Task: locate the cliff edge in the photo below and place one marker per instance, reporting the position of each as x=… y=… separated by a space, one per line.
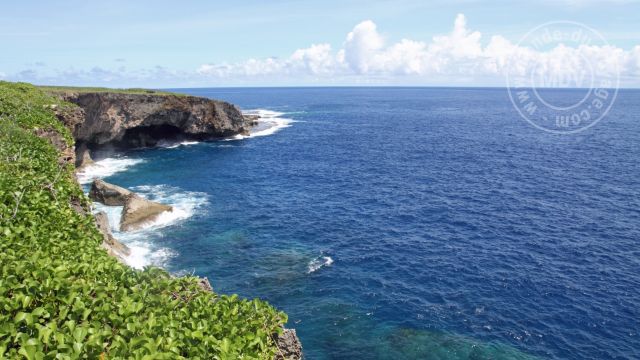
x=131 y=120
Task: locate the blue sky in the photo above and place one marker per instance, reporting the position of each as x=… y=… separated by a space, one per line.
x=254 y=43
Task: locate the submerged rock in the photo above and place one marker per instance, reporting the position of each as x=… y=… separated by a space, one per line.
x=289 y=346
x=108 y=194
x=138 y=210
x=113 y=246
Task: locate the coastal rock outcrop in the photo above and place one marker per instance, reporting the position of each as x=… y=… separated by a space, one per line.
x=141 y=120
x=70 y=116
x=138 y=210
x=204 y=284
x=108 y=194
x=289 y=346
x=113 y=246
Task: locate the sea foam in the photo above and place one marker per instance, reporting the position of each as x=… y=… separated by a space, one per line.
x=268 y=123
x=184 y=203
x=105 y=167
x=175 y=144
x=318 y=263
x=143 y=251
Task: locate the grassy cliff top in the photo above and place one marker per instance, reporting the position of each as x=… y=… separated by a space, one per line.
x=79 y=89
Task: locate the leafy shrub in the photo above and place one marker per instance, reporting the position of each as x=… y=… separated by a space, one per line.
x=63 y=297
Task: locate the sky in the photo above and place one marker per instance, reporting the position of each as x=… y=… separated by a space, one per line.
x=169 y=44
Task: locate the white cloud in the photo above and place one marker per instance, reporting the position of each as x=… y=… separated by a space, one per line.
x=460 y=43
x=631 y=61
x=316 y=60
x=362 y=44
x=459 y=53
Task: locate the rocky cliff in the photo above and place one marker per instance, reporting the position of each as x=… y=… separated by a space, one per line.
x=142 y=120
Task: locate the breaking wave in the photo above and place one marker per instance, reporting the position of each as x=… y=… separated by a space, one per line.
x=268 y=123
x=175 y=144
x=318 y=263
x=104 y=168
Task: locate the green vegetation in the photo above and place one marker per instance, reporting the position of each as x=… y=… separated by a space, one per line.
x=54 y=89
x=63 y=297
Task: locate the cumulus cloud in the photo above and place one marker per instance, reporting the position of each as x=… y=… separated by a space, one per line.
x=461 y=52
x=362 y=44
x=316 y=60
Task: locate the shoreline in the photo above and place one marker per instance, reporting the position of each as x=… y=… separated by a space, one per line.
x=65 y=256
x=185 y=203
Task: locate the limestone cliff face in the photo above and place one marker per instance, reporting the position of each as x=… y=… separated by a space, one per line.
x=140 y=120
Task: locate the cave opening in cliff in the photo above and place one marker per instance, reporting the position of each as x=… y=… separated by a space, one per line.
x=147 y=136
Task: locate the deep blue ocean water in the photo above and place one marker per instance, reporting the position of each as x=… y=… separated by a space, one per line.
x=456 y=229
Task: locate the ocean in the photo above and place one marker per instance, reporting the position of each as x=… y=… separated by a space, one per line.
x=407 y=223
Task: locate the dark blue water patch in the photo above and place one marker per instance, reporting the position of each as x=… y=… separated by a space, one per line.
x=456 y=230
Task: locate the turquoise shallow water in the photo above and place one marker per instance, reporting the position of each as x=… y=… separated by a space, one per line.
x=415 y=223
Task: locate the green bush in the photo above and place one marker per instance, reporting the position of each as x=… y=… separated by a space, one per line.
x=63 y=297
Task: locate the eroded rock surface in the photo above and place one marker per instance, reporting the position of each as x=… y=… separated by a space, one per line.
x=137 y=211
x=108 y=194
x=204 y=284
x=141 y=120
x=289 y=346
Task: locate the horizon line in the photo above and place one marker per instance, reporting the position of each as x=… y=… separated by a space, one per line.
x=329 y=87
